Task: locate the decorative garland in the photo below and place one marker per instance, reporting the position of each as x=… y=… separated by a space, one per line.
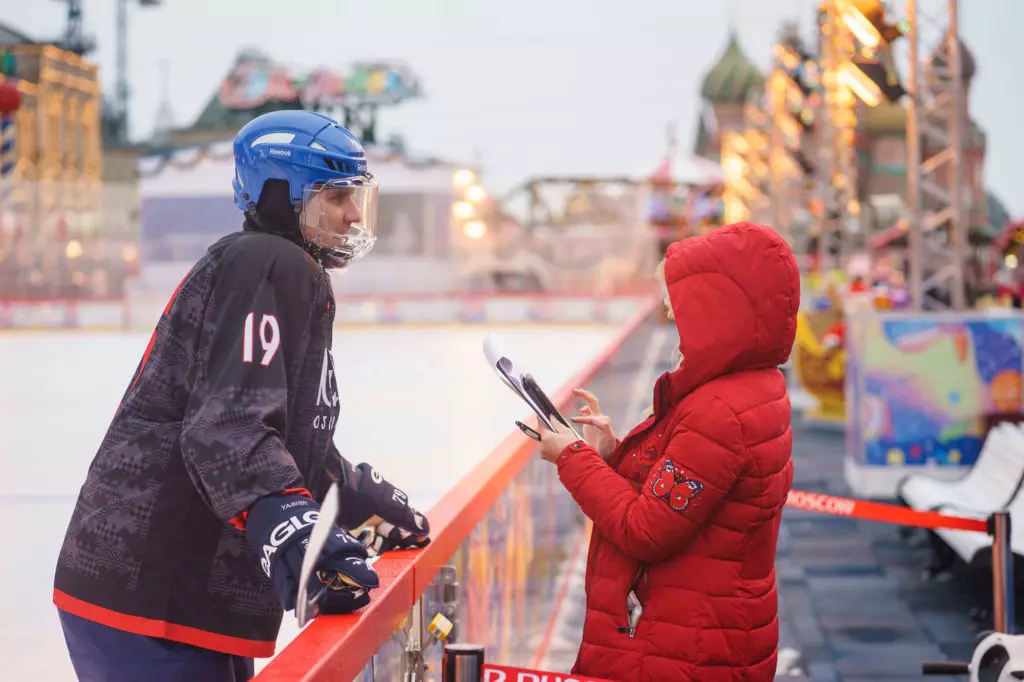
x=187 y=158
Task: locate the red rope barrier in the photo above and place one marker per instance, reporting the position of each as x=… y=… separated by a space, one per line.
x=880 y=511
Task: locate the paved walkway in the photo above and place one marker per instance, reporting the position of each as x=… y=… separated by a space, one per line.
x=854 y=599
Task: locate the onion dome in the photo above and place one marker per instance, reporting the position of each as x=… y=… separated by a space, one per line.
x=733 y=78
x=968 y=65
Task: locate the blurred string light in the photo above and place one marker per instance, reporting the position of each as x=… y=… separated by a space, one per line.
x=870 y=74
x=796 y=91
x=475 y=229
x=468 y=207
x=736 y=188
x=463 y=178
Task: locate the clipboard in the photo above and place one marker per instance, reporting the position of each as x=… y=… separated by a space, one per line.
x=523 y=384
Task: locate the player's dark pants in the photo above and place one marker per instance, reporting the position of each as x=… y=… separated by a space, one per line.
x=103 y=654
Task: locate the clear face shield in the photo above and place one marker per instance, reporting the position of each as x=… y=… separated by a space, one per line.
x=339 y=219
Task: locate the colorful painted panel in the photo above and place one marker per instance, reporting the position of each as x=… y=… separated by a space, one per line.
x=926 y=383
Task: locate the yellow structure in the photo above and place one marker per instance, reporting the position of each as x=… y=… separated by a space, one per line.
x=745 y=170
x=58 y=149
x=820 y=369
x=51 y=203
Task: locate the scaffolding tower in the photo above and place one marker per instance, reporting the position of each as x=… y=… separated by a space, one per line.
x=793 y=94
x=936 y=120
x=836 y=169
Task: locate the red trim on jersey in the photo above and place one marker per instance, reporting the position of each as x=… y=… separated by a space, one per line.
x=239 y=521
x=235 y=646
x=296 y=491
x=152 y=337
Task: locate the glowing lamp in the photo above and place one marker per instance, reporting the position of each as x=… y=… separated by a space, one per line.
x=475 y=229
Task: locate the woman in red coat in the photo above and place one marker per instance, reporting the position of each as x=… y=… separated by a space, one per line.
x=686 y=509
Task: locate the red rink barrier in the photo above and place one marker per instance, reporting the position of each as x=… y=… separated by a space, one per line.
x=501 y=673
x=880 y=511
x=341 y=647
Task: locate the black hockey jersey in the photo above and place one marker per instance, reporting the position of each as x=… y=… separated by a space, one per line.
x=235 y=398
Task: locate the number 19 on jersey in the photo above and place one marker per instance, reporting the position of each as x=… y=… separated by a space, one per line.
x=269 y=338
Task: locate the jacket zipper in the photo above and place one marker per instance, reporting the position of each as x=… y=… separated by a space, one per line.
x=631 y=629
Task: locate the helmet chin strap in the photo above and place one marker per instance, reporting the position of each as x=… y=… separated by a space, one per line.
x=327 y=259
x=252 y=214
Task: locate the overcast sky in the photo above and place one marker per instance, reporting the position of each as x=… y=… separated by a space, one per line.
x=533 y=86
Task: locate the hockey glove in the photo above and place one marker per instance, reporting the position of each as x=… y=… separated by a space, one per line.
x=380 y=513
x=278 y=528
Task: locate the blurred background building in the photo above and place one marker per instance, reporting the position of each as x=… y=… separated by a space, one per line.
x=816 y=145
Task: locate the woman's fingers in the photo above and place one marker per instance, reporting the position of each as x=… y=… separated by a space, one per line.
x=601 y=420
x=590 y=398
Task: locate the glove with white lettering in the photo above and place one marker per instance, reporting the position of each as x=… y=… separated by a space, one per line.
x=278 y=528
x=379 y=513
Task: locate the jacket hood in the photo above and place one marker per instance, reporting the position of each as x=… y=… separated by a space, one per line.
x=735 y=294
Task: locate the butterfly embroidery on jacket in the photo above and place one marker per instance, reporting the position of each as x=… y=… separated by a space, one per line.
x=672 y=486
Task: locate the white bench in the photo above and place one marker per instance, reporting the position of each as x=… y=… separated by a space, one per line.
x=990 y=485
x=994 y=483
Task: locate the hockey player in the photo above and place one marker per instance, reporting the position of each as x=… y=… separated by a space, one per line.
x=188 y=533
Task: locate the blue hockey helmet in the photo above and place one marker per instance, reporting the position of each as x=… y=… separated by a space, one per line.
x=329 y=186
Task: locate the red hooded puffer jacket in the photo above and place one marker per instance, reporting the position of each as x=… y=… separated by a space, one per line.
x=687 y=510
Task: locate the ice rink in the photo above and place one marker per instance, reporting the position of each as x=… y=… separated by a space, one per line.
x=60 y=389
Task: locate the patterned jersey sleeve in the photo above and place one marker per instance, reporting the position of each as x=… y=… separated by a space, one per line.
x=255 y=333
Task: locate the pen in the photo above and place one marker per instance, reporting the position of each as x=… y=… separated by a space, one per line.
x=528 y=431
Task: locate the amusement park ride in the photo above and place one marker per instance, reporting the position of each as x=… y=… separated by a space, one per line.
x=353 y=96
x=612 y=230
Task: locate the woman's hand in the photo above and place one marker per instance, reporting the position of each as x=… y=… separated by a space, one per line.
x=597 y=427
x=552 y=443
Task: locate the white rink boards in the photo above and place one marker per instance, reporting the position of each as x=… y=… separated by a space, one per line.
x=59 y=389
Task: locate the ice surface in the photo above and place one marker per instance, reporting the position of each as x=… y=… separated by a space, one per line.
x=58 y=391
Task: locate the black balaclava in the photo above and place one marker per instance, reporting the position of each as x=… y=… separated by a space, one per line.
x=275 y=213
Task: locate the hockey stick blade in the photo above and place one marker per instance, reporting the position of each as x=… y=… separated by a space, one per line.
x=306 y=605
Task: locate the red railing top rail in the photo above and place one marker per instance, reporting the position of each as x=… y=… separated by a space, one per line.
x=335 y=648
